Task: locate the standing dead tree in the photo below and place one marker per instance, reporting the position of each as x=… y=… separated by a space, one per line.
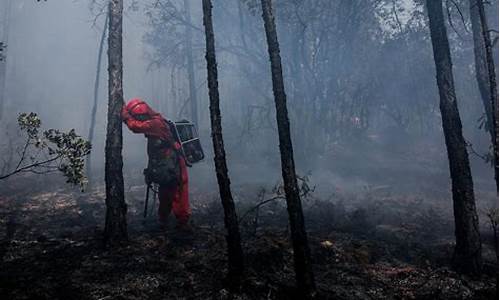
x=190 y=64
x=492 y=80
x=485 y=73
x=468 y=242
x=235 y=253
x=96 y=94
x=3 y=52
x=116 y=209
x=301 y=252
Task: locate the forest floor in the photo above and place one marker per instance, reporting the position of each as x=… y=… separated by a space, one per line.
x=383 y=247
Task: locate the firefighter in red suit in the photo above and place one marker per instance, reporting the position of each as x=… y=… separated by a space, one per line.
x=140 y=118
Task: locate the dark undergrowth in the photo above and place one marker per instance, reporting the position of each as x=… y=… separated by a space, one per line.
x=386 y=247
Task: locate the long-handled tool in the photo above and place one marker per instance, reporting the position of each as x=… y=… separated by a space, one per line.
x=146 y=201
x=155 y=195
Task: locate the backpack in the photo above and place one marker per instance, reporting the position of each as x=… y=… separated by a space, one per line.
x=163 y=169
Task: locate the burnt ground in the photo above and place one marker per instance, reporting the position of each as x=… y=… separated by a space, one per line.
x=376 y=245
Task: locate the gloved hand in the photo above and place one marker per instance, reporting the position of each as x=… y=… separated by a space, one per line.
x=125 y=114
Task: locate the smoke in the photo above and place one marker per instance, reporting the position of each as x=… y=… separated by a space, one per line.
x=363 y=102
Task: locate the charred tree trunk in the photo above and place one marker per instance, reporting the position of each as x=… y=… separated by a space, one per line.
x=468 y=242
x=301 y=252
x=96 y=94
x=116 y=208
x=235 y=253
x=190 y=65
x=485 y=73
x=480 y=60
x=492 y=80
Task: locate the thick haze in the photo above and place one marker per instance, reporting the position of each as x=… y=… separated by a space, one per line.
x=51 y=67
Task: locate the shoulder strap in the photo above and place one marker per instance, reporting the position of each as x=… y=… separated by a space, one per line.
x=173 y=130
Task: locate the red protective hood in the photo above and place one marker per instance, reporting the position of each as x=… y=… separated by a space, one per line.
x=137 y=107
x=155 y=125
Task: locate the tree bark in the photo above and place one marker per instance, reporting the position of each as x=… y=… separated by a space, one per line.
x=96 y=94
x=492 y=85
x=190 y=65
x=116 y=208
x=468 y=242
x=235 y=253
x=485 y=74
x=302 y=260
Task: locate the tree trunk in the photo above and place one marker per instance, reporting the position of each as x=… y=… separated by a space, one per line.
x=493 y=88
x=235 y=253
x=485 y=73
x=116 y=208
x=96 y=94
x=468 y=242
x=303 y=269
x=3 y=75
x=243 y=68
x=190 y=65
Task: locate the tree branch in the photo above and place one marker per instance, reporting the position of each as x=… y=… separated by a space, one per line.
x=28 y=167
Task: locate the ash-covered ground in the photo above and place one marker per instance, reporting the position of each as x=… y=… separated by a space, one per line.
x=373 y=244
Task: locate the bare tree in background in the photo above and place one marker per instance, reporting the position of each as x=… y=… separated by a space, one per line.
x=485 y=73
x=468 y=242
x=235 y=253
x=190 y=64
x=301 y=252
x=96 y=94
x=116 y=208
x=3 y=52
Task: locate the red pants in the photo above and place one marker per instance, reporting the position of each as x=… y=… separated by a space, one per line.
x=176 y=198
